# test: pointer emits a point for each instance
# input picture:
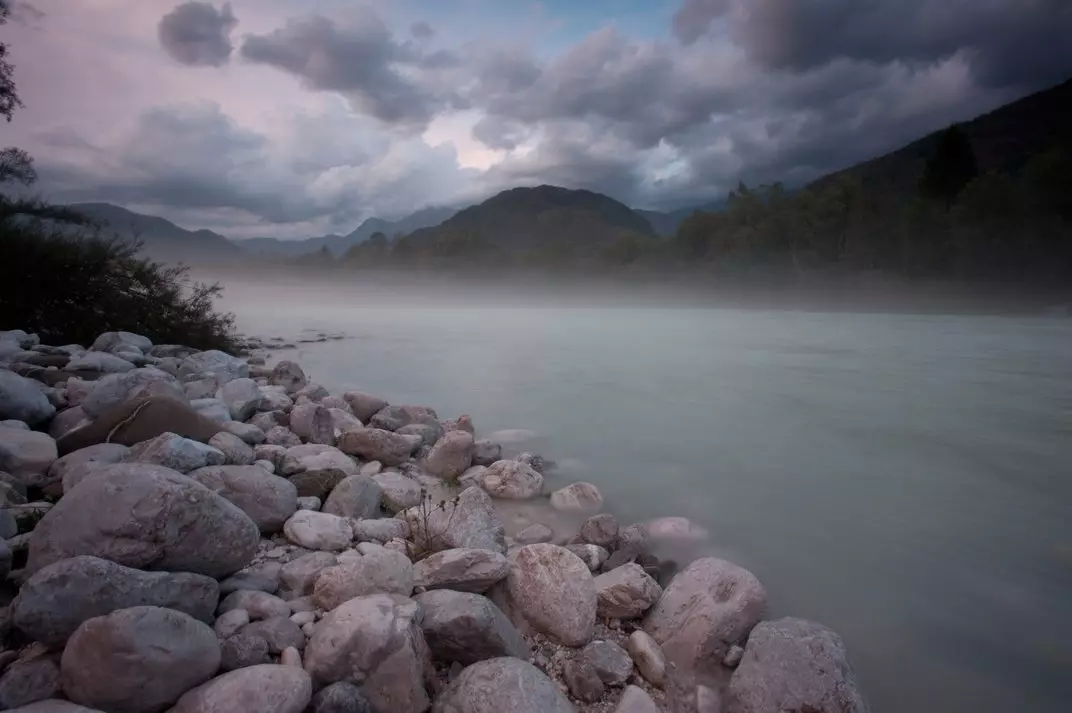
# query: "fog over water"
(904, 478)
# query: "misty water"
(905, 479)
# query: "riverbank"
(341, 513)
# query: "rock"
(9, 527)
(257, 604)
(502, 685)
(21, 338)
(356, 496)
(228, 624)
(141, 420)
(100, 362)
(463, 570)
(101, 454)
(592, 555)
(675, 531)
(297, 577)
(241, 651)
(794, 665)
(428, 434)
(626, 592)
(318, 530)
(636, 700)
(378, 444)
(66, 421)
(633, 542)
(341, 697)
(291, 657)
(223, 366)
(242, 397)
(205, 388)
(363, 405)
(398, 491)
(486, 452)
(342, 420)
(578, 497)
(54, 705)
(275, 399)
(310, 502)
(289, 375)
(465, 627)
(57, 599)
(27, 455)
(467, 521)
(451, 455)
(381, 531)
(601, 530)
(278, 631)
(313, 456)
(553, 591)
(709, 606)
(212, 409)
(313, 424)
(392, 418)
(267, 499)
(264, 688)
(172, 451)
(20, 399)
(121, 341)
(29, 681)
(610, 662)
(115, 389)
(250, 434)
(733, 657)
(318, 483)
(281, 436)
(648, 657)
(534, 535)
(235, 450)
(582, 680)
(267, 420)
(138, 660)
(462, 423)
(146, 517)
(511, 480)
(375, 639)
(383, 572)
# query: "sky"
(293, 118)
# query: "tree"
(9, 97)
(951, 167)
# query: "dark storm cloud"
(421, 30)
(362, 60)
(197, 34)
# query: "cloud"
(197, 34)
(693, 19)
(422, 30)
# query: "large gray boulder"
(289, 375)
(171, 450)
(450, 456)
(298, 577)
(364, 406)
(99, 361)
(399, 491)
(121, 341)
(626, 592)
(146, 517)
(57, 599)
(318, 530)
(502, 685)
(611, 662)
(708, 607)
(511, 480)
(265, 688)
(376, 640)
(267, 499)
(467, 628)
(392, 418)
(278, 631)
(114, 389)
(223, 366)
(466, 521)
(27, 455)
(235, 451)
(242, 397)
(577, 497)
(794, 665)
(101, 454)
(313, 424)
(315, 456)
(341, 697)
(138, 660)
(462, 569)
(382, 572)
(379, 444)
(20, 399)
(257, 604)
(550, 590)
(30, 680)
(380, 530)
(356, 496)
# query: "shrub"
(64, 279)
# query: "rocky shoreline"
(201, 533)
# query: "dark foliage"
(950, 168)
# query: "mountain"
(339, 244)
(161, 239)
(666, 224)
(546, 221)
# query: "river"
(905, 479)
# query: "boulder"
(171, 450)
(242, 397)
(382, 530)
(314, 456)
(427, 433)
(463, 570)
(250, 434)
(610, 662)
(465, 627)
(267, 499)
(139, 420)
(278, 631)
(342, 420)
(27, 455)
(204, 388)
(398, 491)
(213, 409)
(384, 572)
(392, 418)
(578, 497)
(121, 341)
(708, 606)
(275, 399)
(256, 604)
(138, 660)
(101, 454)
(66, 421)
(675, 531)
(223, 366)
(534, 534)
(146, 517)
(378, 444)
(511, 480)
(467, 521)
(309, 502)
(450, 456)
(20, 338)
(552, 590)
(582, 680)
(115, 389)
(242, 651)
(363, 405)
(626, 592)
(636, 700)
(281, 436)
(30, 680)
(58, 598)
(633, 542)
(648, 657)
(100, 362)
(54, 705)
(21, 399)
(794, 665)
(313, 424)
(501, 685)
(318, 483)
(355, 496)
(318, 530)
(341, 697)
(601, 530)
(270, 453)
(486, 452)
(289, 375)
(263, 577)
(298, 577)
(235, 451)
(266, 688)
(378, 640)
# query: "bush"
(62, 278)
